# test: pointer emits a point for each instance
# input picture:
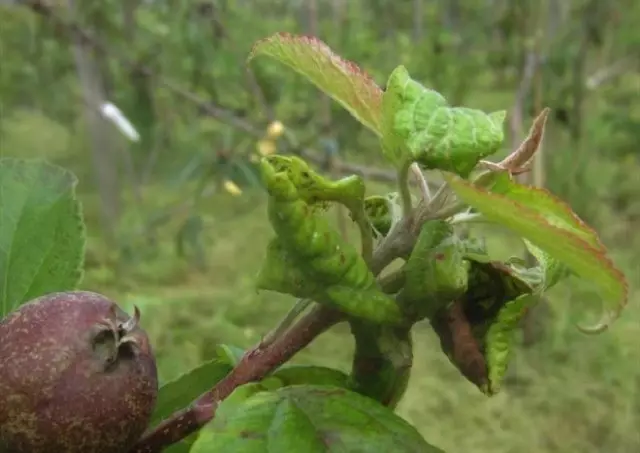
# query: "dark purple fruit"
(77, 375)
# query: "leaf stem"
(422, 181)
(405, 192)
(366, 234)
(467, 217)
(285, 323)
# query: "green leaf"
(317, 191)
(490, 305)
(419, 125)
(313, 187)
(322, 257)
(403, 93)
(499, 338)
(550, 224)
(552, 270)
(231, 355)
(491, 285)
(340, 79)
(382, 361)
(318, 419)
(311, 375)
(366, 303)
(379, 213)
(42, 233)
(281, 273)
(437, 271)
(181, 391)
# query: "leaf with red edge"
(340, 79)
(550, 224)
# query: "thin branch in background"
(222, 115)
(607, 74)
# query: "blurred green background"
(167, 236)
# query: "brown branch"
(73, 30)
(254, 366)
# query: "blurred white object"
(113, 114)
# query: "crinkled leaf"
(401, 95)
(366, 303)
(318, 419)
(463, 326)
(436, 272)
(382, 361)
(419, 125)
(551, 225)
(340, 79)
(311, 375)
(313, 187)
(42, 233)
(552, 270)
(323, 257)
(378, 210)
(491, 285)
(281, 273)
(499, 338)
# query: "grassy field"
(568, 393)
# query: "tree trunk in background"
(104, 157)
(418, 20)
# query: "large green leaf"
(342, 80)
(42, 234)
(550, 224)
(419, 125)
(290, 374)
(305, 418)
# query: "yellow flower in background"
(232, 188)
(275, 130)
(266, 147)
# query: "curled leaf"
(378, 210)
(460, 345)
(552, 270)
(281, 273)
(436, 273)
(320, 254)
(419, 125)
(366, 303)
(550, 224)
(476, 331)
(340, 79)
(517, 161)
(382, 361)
(313, 187)
(499, 338)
